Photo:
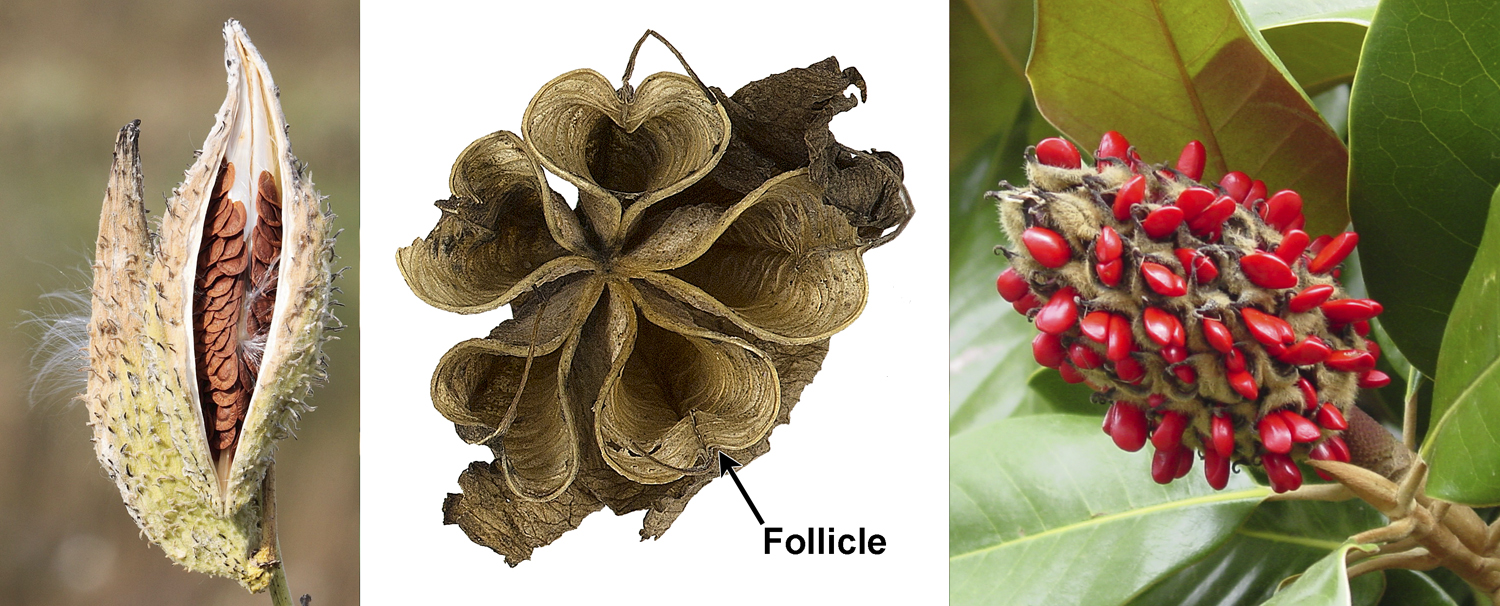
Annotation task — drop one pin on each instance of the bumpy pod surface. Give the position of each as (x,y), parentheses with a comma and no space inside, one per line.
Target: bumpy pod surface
(676,313)
(1202,313)
(206,336)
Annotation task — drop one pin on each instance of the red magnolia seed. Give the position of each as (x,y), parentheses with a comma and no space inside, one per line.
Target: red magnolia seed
(1121,340)
(1267,271)
(1318,243)
(1047,247)
(1334,253)
(1203,268)
(1303,430)
(1130,194)
(1215,469)
(1345,311)
(1223,435)
(1184,461)
(1156,399)
(1374,380)
(1234,361)
(1084,357)
(1309,298)
(1174,353)
(1362,328)
(1161,222)
(1292,244)
(1108,247)
(1310,351)
(1069,374)
(1130,427)
(1058,152)
(1191,161)
(1266,328)
(1309,395)
(1111,417)
(1059,313)
(1164,465)
(1350,360)
(1185,373)
(1217,335)
(1160,325)
(1373,348)
(1339,448)
(1048,350)
(1330,418)
(1112,145)
(1257,192)
(1011,285)
(1129,370)
(1274,434)
(1213,217)
(1282,208)
(1168,433)
(1332,449)
(1161,279)
(1193,201)
(1236,185)
(1282,472)
(1244,384)
(1095,325)
(1109,272)
(1026,304)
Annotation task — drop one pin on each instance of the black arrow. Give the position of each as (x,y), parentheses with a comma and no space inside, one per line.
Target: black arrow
(727,465)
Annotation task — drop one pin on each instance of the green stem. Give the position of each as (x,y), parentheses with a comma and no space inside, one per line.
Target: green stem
(281,592)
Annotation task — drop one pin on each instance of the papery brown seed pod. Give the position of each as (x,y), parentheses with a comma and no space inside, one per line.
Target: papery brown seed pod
(673,314)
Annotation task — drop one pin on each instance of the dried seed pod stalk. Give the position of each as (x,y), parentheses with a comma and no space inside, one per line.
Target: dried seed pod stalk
(1203,312)
(677,313)
(206,336)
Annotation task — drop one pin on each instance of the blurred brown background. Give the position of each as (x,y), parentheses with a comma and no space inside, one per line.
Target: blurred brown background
(71,74)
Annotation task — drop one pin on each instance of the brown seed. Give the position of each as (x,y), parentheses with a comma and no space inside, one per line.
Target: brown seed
(236,221)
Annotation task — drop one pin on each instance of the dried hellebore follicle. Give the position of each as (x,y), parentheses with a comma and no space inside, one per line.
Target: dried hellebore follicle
(1203,312)
(206,336)
(716,245)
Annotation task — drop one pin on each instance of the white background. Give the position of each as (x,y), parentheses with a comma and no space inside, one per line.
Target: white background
(867,445)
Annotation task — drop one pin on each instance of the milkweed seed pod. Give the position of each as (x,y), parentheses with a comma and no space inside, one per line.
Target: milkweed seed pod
(1203,312)
(677,313)
(206,336)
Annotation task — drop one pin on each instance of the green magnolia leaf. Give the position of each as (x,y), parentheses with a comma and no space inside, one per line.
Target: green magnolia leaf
(1463,443)
(1318,41)
(1165,73)
(988,43)
(1424,159)
(1278,13)
(1281,539)
(1319,54)
(1325,583)
(1046,510)
(1050,393)
(989,343)
(1412,588)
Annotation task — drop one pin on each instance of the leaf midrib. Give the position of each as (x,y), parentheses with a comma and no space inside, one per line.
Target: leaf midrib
(1257,492)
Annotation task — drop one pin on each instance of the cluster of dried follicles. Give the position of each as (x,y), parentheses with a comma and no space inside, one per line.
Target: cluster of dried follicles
(1204,312)
(234,295)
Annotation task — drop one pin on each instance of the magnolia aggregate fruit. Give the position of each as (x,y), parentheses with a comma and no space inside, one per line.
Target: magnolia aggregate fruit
(1202,311)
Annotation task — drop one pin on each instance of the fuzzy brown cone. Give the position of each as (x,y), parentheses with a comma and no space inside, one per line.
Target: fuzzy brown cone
(678,312)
